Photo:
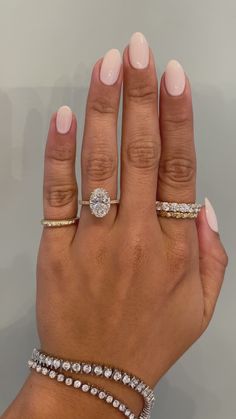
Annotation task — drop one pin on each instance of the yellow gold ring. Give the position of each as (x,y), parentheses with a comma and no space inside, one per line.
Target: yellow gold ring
(183,215)
(59,223)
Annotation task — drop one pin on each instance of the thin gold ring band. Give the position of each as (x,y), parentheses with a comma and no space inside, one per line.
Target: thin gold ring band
(59,223)
(112,201)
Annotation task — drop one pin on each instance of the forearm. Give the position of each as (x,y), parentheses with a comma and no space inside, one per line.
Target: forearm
(42,398)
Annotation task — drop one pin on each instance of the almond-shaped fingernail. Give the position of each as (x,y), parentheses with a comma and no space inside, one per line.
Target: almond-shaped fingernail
(110,68)
(63,119)
(138,51)
(175,79)
(211,216)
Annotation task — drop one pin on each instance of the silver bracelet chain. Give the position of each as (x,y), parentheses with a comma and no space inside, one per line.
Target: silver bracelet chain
(55,368)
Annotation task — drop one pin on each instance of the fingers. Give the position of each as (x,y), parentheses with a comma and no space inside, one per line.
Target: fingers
(60,186)
(213,259)
(140,133)
(99,149)
(177,171)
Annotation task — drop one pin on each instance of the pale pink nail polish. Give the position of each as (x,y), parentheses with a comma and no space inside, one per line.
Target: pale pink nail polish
(63,119)
(211,216)
(175,78)
(138,51)
(110,68)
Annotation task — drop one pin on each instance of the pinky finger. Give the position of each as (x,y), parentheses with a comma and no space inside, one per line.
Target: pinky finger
(213,259)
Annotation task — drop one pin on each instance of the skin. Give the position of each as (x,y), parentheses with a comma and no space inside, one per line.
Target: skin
(132,289)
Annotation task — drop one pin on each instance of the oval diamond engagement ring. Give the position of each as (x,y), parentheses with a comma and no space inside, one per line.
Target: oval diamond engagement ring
(99,202)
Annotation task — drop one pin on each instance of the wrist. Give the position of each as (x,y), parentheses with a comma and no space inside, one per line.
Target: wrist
(41,397)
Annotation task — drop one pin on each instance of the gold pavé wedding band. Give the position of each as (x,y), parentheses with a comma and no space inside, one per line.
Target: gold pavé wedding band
(59,223)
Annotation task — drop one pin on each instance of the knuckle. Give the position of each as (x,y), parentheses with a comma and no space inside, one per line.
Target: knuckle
(143,152)
(221,257)
(177,170)
(59,196)
(224,258)
(102,105)
(100,164)
(142,92)
(60,154)
(180,120)
(138,251)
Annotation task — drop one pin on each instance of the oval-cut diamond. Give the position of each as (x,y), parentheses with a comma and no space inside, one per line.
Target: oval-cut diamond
(99,202)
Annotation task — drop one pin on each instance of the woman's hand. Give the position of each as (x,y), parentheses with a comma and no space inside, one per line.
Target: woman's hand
(130,289)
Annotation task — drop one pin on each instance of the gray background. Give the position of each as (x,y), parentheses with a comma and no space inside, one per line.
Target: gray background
(47,50)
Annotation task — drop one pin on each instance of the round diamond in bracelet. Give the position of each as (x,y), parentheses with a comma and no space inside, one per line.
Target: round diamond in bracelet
(107,372)
(108,398)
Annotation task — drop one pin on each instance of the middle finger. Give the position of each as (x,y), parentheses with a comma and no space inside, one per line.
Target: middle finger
(99,150)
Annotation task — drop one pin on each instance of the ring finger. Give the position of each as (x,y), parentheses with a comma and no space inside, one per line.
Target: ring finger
(177,170)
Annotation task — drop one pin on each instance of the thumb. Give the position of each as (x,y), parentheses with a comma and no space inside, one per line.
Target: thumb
(213,258)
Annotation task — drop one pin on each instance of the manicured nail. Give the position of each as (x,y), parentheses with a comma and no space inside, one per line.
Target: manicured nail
(138,51)
(211,216)
(110,68)
(175,78)
(63,119)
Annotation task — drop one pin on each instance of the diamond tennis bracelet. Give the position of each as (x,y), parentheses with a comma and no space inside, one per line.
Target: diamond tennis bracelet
(54,367)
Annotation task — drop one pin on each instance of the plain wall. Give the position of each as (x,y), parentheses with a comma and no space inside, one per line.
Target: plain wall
(47,50)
